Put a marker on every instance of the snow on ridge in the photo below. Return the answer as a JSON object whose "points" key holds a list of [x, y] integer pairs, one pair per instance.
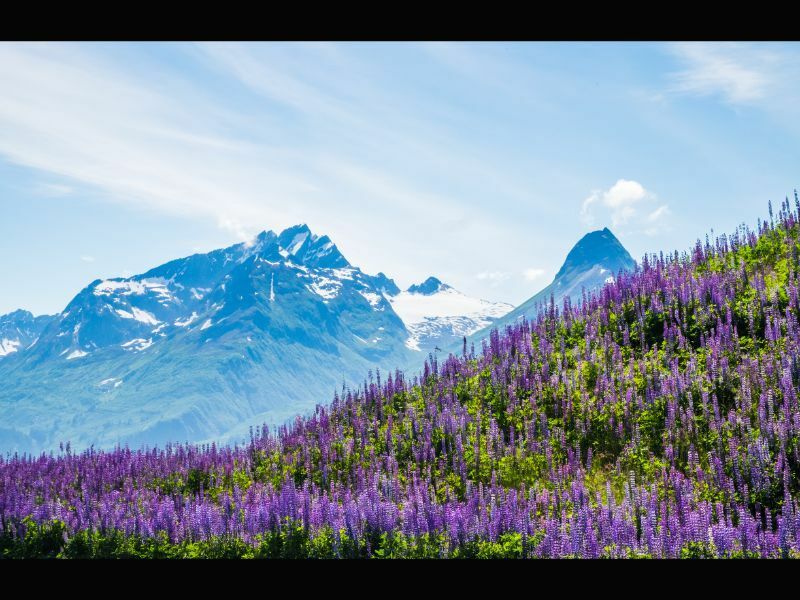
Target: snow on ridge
{"points": [[297, 242], [116, 381], [9, 346], [196, 292], [343, 272], [133, 287], [325, 287], [371, 297], [138, 344], [187, 322], [139, 315]]}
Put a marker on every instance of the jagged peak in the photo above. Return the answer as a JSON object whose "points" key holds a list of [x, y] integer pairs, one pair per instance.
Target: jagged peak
{"points": [[430, 286]]}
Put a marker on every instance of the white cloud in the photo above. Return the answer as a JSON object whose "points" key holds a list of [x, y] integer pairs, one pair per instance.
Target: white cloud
{"points": [[533, 273], [87, 259], [619, 201], [626, 203], [624, 193]]}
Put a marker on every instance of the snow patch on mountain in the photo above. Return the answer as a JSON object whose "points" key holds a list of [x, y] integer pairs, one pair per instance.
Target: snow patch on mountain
{"points": [[373, 298], [325, 287], [138, 344], [110, 383], [297, 243], [131, 287], [185, 322], [139, 315], [442, 313], [8, 346]]}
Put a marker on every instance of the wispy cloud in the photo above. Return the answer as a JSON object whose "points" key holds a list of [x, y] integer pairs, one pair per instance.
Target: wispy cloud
{"points": [[533, 273], [658, 214], [164, 145], [493, 277], [738, 72], [87, 258]]}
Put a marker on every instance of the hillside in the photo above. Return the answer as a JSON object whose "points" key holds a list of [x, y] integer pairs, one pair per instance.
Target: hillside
{"points": [[659, 418]]}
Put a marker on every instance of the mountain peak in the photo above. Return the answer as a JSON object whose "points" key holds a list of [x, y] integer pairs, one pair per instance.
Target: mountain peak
{"points": [[295, 230], [430, 286], [302, 246], [599, 247]]}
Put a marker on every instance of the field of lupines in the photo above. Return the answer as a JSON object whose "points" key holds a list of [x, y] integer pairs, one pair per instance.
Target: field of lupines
{"points": [[657, 418]]}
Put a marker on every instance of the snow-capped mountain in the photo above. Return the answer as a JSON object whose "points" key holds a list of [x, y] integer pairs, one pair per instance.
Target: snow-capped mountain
{"points": [[19, 330], [201, 347], [437, 315]]}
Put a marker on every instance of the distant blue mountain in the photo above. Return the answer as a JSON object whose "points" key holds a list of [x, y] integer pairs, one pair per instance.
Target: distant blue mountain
{"points": [[19, 330], [596, 259], [200, 347]]}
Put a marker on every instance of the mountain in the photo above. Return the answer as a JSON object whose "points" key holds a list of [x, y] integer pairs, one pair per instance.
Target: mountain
{"points": [[595, 260], [200, 347], [19, 330], [437, 315]]}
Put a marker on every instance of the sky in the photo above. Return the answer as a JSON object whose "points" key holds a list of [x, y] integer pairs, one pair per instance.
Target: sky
{"points": [[481, 164]]}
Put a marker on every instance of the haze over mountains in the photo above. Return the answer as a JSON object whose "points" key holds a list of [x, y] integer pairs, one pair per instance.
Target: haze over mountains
{"points": [[202, 347]]}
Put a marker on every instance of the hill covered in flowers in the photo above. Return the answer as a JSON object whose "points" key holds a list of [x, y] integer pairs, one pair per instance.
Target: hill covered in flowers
{"points": [[656, 418]]}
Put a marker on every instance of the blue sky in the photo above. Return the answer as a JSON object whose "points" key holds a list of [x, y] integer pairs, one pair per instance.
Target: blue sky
{"points": [[479, 163]]}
